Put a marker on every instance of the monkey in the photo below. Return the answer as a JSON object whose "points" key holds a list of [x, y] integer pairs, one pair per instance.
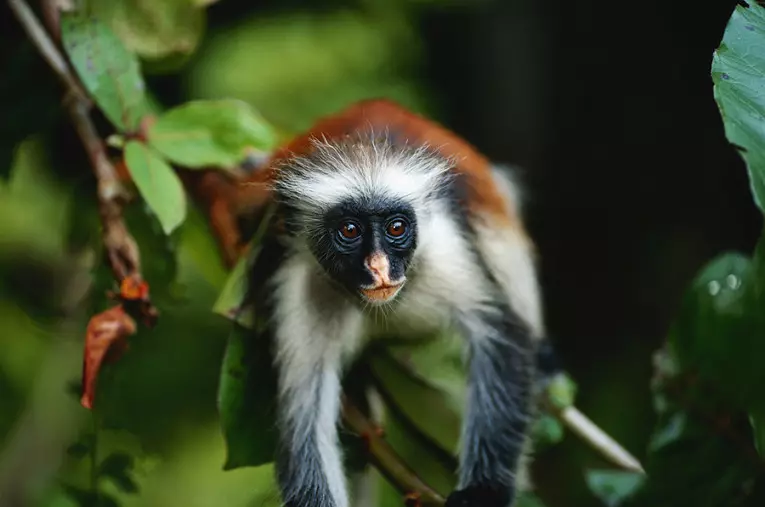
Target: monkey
{"points": [[386, 220]]}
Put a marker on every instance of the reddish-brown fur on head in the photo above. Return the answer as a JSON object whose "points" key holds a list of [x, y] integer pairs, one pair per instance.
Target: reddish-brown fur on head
{"points": [[482, 196]]}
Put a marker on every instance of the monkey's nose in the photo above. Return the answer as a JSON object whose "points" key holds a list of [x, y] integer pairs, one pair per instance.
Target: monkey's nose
{"points": [[379, 267]]}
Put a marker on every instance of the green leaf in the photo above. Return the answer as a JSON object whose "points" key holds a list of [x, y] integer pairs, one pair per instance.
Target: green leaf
{"points": [[88, 498], [246, 400], [216, 133], [229, 302], [738, 73], [700, 453], [158, 184], [561, 390], [547, 430], [78, 450], [435, 360], [430, 410], [720, 332], [612, 487], [757, 421], [156, 29], [668, 433], [436, 468], [109, 72], [528, 499], [118, 467]]}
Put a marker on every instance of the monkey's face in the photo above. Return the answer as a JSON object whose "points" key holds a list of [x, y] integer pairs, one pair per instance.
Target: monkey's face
{"points": [[367, 245]]}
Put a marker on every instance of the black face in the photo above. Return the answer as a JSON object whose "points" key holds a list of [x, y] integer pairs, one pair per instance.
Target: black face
{"points": [[358, 231]]}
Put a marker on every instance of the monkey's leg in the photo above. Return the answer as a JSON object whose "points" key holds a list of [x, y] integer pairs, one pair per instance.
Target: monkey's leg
{"points": [[308, 466], [498, 411]]}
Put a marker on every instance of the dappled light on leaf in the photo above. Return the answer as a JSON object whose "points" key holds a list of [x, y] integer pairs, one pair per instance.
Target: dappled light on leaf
{"points": [[109, 72], [720, 331], [217, 133], [105, 340], [738, 71]]}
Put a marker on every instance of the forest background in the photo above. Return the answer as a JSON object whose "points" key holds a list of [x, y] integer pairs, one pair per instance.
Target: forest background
{"points": [[646, 217]]}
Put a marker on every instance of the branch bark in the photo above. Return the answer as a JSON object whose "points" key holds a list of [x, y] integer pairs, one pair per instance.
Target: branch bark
{"points": [[385, 459], [121, 249]]}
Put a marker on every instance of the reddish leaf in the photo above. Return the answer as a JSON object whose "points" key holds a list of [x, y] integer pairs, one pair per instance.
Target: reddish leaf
{"points": [[106, 340]]}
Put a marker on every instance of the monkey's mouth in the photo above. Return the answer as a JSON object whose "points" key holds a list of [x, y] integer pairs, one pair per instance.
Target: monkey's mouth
{"points": [[382, 293]]}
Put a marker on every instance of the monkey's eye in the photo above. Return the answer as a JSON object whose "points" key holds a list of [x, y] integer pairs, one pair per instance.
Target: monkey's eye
{"points": [[349, 231], [396, 228]]}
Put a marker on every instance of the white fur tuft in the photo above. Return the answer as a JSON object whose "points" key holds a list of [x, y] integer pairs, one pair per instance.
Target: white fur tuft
{"points": [[365, 167]]}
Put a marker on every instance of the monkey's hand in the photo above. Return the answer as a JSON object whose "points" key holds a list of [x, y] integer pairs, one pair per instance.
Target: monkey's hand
{"points": [[480, 496]]}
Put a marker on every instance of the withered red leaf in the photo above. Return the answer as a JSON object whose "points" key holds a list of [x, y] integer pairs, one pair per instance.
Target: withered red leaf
{"points": [[106, 340]]}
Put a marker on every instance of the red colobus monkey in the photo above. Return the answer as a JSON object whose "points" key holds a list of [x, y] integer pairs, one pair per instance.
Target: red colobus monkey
{"points": [[380, 209]]}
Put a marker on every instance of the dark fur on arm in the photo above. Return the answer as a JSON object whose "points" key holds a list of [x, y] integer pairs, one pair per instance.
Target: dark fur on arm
{"points": [[499, 411], [298, 463]]}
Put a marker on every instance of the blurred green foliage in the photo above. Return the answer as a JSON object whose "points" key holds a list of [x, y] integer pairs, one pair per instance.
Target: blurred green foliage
{"points": [[157, 437]]}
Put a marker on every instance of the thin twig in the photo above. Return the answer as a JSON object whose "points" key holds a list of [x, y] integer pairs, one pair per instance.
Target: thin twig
{"points": [[51, 13], [46, 47], [121, 249], [588, 431], [388, 461]]}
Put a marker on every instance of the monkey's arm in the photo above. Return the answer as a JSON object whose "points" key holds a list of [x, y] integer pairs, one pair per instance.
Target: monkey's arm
{"points": [[498, 412], [310, 342], [308, 464]]}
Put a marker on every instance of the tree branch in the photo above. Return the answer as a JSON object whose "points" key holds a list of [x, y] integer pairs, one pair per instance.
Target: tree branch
{"points": [[46, 46], [582, 426], [388, 462], [121, 249]]}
